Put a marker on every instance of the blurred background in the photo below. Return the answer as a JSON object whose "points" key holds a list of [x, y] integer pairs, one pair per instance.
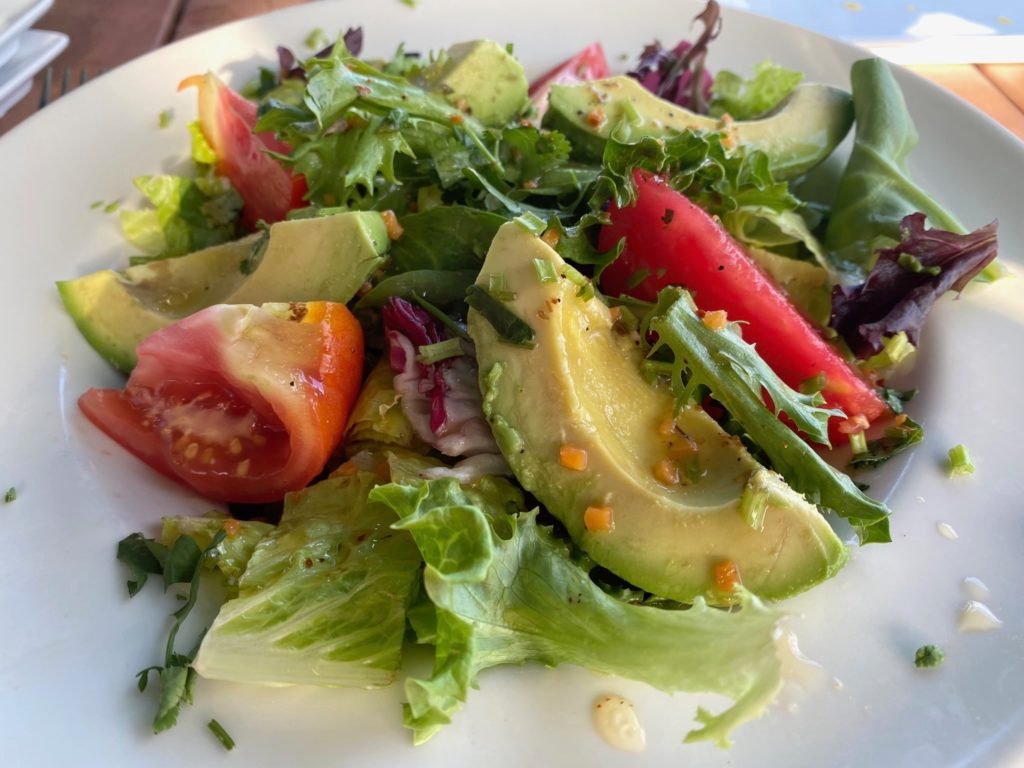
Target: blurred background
{"points": [[974, 48]]}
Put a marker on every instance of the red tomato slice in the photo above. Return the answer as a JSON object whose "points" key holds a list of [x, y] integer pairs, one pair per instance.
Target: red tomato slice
{"points": [[674, 242], [588, 64], [267, 188], [241, 403]]}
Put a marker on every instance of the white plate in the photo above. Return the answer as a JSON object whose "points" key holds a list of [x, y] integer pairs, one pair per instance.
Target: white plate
{"points": [[70, 641], [36, 49], [18, 15]]}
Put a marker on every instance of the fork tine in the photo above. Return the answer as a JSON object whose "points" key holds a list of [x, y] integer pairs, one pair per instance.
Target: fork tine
{"points": [[44, 97], [64, 80]]}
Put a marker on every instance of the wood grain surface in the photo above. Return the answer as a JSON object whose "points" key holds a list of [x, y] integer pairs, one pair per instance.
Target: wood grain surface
{"points": [[107, 33]]}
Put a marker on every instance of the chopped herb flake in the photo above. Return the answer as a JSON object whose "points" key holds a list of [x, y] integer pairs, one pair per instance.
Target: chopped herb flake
{"points": [[222, 736], [166, 118], [10, 495], [510, 327], [895, 440], [638, 277], [928, 656], [111, 207], [911, 263], [96, 204], [960, 461]]}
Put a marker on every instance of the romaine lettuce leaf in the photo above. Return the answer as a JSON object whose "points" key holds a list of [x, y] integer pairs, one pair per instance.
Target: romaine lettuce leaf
{"points": [[505, 591], [377, 417], [323, 599]]}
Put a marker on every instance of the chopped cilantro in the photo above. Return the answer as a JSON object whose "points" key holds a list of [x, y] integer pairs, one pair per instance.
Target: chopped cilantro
{"points": [[166, 118], [222, 736], [928, 656], [960, 461], [10, 495]]}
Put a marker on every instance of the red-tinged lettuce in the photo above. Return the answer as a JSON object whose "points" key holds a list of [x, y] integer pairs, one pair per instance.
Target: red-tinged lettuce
{"points": [[437, 382], [907, 280], [678, 74]]}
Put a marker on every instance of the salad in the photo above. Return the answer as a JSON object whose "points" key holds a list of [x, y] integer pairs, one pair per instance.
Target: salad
{"points": [[565, 372]]}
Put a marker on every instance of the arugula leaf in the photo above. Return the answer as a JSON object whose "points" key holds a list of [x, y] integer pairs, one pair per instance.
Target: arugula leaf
{"points": [[142, 556], [505, 591], [736, 376], [747, 99]]}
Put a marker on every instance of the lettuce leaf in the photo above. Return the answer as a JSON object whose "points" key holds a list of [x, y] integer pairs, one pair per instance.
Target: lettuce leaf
{"points": [[747, 99], [232, 553], [187, 214], [736, 376], [876, 191], [505, 591], [323, 599], [907, 280]]}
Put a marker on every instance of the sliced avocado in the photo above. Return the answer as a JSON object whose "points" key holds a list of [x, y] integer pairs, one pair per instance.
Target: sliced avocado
{"points": [[797, 135], [482, 78], [327, 258], [580, 386]]}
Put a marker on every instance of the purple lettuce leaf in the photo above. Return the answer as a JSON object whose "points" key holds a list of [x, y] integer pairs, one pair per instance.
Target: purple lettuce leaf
{"points": [[288, 63], [907, 280], [441, 400], [678, 74]]}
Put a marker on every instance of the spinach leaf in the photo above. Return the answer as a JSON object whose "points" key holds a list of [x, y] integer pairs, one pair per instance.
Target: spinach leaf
{"points": [[448, 237]]}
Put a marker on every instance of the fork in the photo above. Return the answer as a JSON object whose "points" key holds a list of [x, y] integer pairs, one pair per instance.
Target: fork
{"points": [[66, 83]]}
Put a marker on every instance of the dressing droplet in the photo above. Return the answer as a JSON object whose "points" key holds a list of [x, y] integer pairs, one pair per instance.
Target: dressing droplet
{"points": [[616, 722]]}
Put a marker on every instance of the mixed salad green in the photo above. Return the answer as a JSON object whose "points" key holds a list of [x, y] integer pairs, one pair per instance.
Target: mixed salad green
{"points": [[607, 349]]}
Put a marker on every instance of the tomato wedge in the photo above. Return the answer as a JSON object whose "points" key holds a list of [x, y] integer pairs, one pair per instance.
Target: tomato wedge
{"points": [[267, 188], [241, 403], [588, 64], [671, 241]]}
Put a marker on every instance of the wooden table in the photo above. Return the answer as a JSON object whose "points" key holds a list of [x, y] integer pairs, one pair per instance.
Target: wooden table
{"points": [[107, 33]]}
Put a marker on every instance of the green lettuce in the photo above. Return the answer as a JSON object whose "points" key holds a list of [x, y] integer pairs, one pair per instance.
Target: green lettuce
{"points": [[747, 99], [232, 553], [505, 591], [736, 376], [187, 214], [323, 598]]}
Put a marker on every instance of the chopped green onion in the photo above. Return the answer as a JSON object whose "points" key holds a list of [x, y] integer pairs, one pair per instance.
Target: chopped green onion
{"points": [[498, 288], [895, 350], [545, 270], [911, 263], [442, 350], [960, 461], [507, 324], [10, 496], [928, 656], [532, 223], [858, 443], [222, 736]]}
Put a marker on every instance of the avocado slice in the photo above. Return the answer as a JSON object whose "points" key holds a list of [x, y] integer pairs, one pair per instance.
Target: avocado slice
{"points": [[797, 135], [327, 258], [580, 385], [482, 78]]}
